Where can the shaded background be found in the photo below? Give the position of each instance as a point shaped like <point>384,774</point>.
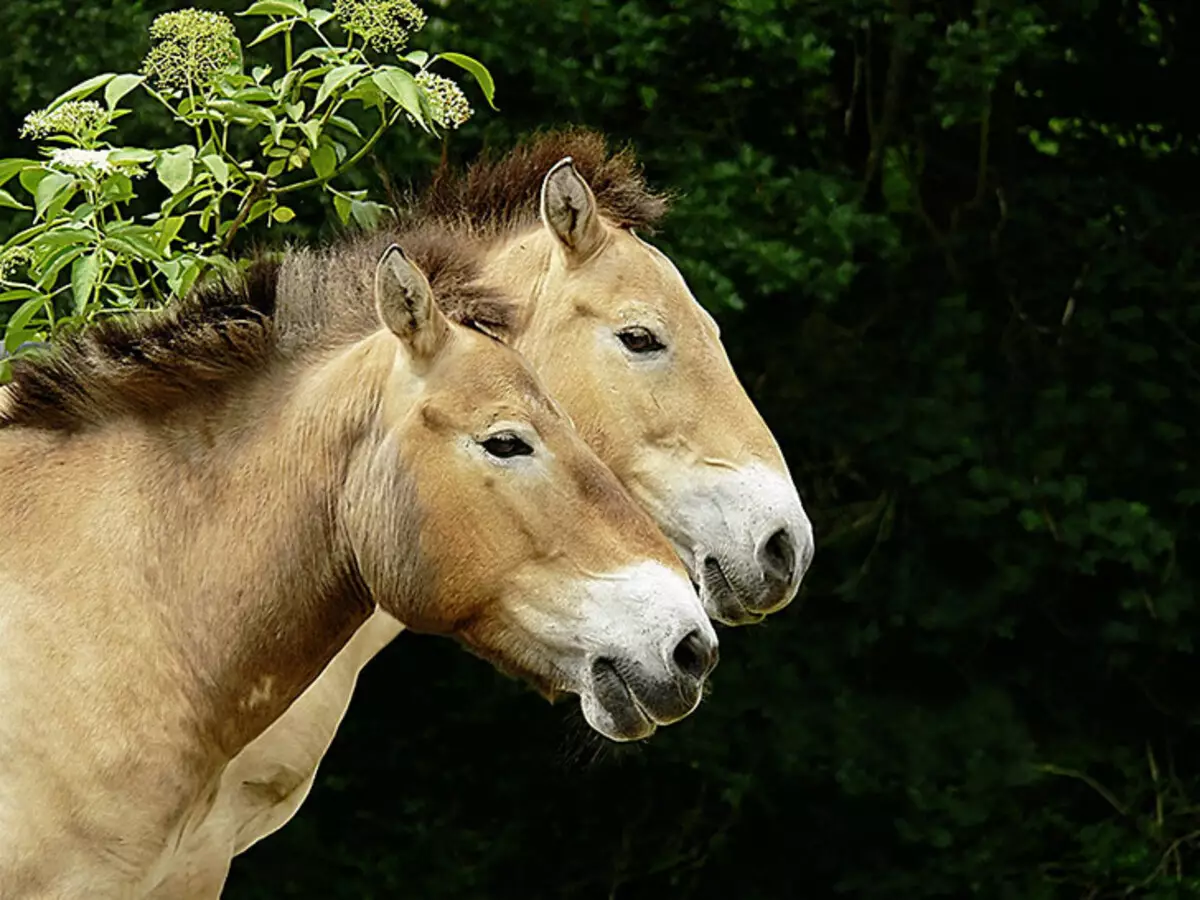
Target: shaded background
<point>952,246</point>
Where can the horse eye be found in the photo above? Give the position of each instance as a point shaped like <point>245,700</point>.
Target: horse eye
<point>504,446</point>
<point>640,340</point>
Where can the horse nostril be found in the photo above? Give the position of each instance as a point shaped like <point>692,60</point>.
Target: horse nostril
<point>778,556</point>
<point>695,655</point>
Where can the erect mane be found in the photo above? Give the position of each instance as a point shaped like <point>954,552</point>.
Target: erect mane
<point>229,329</point>
<point>493,197</point>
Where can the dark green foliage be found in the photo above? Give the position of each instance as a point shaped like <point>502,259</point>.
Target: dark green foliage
<point>953,249</point>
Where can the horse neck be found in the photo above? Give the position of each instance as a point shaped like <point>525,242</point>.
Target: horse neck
<point>272,588</point>
<point>228,582</point>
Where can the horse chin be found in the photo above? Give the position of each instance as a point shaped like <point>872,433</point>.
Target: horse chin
<point>612,709</point>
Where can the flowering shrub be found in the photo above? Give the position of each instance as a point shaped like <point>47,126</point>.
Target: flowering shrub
<point>105,238</point>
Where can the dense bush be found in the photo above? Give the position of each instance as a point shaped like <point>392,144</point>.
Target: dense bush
<point>952,246</point>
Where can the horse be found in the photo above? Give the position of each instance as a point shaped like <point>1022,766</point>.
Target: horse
<point>210,500</point>
<point>632,357</point>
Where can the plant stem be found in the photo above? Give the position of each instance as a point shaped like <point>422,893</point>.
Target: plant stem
<point>349,163</point>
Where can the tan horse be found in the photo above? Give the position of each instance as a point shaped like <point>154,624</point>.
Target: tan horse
<point>205,506</point>
<point>636,362</point>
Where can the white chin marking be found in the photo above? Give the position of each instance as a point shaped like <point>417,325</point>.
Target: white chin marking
<point>731,515</point>
<point>633,619</point>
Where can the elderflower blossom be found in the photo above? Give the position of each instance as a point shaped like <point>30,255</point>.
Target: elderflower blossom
<point>448,103</point>
<point>77,118</point>
<point>384,24</point>
<point>192,47</point>
<point>14,260</point>
<point>95,161</point>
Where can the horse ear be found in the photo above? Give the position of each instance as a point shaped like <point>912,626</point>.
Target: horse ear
<point>569,209</point>
<point>405,305</point>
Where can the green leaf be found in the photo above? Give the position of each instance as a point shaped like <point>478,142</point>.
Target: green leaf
<point>346,125</point>
<point>119,87</point>
<point>333,80</point>
<point>417,57</point>
<point>477,69</point>
<point>276,8</point>
<point>11,167</point>
<point>8,201</point>
<point>82,89</point>
<point>168,229</point>
<point>402,88</point>
<point>18,294</point>
<point>367,213</point>
<point>18,330</point>
<point>49,189</point>
<point>342,205</point>
<point>174,169</point>
<point>283,214</point>
<point>367,93</point>
<point>312,131</point>
<point>324,161</point>
<point>218,167</point>
<point>131,155</point>
<point>117,188</point>
<point>83,279</point>
<point>32,177</point>
<point>319,17</point>
<point>242,112</point>
<point>271,30</point>
<point>276,167</point>
<point>260,208</point>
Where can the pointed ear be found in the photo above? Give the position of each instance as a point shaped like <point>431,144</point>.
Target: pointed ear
<point>405,305</point>
<point>569,209</point>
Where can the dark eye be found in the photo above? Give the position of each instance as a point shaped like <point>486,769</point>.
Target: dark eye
<point>640,340</point>
<point>503,446</point>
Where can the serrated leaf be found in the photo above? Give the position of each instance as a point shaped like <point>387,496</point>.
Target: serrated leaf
<point>333,80</point>
<point>84,272</point>
<point>276,8</point>
<point>402,88</point>
<point>119,87</point>
<point>312,131</point>
<point>478,70</point>
<point>367,92</point>
<point>174,170</point>
<point>271,30</point>
<point>82,89</point>
<point>324,161</point>
<point>346,125</point>
<point>48,190</point>
<point>218,167</point>
<point>8,201</point>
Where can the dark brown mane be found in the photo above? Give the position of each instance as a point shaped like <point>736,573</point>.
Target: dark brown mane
<point>496,196</point>
<point>228,329</point>
<point>219,333</point>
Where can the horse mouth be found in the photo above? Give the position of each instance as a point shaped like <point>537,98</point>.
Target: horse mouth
<point>630,720</point>
<point>720,597</point>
